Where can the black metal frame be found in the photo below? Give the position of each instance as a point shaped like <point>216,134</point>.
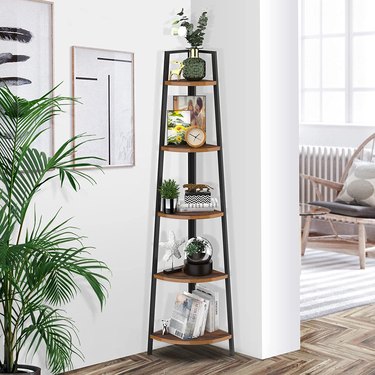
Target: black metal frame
<point>191,179</point>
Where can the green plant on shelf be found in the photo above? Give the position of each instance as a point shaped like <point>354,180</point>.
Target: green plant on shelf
<point>169,189</point>
<point>194,37</point>
<point>196,246</point>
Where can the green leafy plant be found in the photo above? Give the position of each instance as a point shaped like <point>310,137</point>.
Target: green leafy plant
<point>194,37</point>
<point>42,266</point>
<point>196,246</point>
<point>169,189</point>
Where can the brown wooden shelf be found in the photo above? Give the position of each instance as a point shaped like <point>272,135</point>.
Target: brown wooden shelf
<point>182,277</point>
<point>184,148</point>
<point>207,338</point>
<point>192,215</point>
<point>184,82</point>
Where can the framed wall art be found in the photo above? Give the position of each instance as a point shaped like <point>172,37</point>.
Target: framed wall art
<point>26,53</point>
<point>103,82</point>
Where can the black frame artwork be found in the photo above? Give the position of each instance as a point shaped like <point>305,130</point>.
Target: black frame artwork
<point>103,80</point>
<point>26,57</point>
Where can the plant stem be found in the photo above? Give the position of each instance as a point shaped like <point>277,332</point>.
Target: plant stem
<point>8,334</point>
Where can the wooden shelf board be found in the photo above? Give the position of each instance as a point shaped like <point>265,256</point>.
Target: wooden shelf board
<point>184,82</point>
<point>207,338</point>
<point>182,277</point>
<point>184,148</point>
<point>192,215</point>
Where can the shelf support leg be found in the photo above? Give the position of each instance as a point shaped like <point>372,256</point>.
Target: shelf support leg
<point>158,203</point>
<point>223,200</point>
<point>192,179</point>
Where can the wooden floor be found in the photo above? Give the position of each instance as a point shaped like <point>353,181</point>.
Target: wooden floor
<point>342,343</point>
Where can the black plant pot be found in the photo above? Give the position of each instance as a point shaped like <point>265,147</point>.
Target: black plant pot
<point>169,206</point>
<point>196,258</point>
<point>25,369</point>
<point>198,269</point>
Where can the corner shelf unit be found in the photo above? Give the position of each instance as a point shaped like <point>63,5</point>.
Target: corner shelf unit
<point>191,217</point>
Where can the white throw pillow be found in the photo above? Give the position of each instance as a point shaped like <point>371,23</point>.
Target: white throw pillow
<point>359,186</point>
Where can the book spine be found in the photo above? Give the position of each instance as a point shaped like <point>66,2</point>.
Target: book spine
<point>200,313</point>
<point>193,319</point>
<point>205,315</point>
<point>214,307</point>
<point>198,206</point>
<point>210,317</point>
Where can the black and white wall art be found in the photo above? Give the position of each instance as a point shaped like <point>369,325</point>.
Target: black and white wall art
<point>26,52</point>
<point>104,85</point>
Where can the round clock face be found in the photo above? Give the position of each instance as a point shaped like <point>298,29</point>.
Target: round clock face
<point>195,137</point>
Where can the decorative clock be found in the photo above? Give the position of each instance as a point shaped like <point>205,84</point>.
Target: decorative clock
<point>195,137</point>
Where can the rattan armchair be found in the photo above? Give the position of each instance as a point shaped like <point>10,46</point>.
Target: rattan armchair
<point>358,215</point>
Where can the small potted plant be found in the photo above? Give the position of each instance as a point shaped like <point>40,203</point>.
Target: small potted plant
<point>198,254</point>
<point>194,67</point>
<point>169,192</point>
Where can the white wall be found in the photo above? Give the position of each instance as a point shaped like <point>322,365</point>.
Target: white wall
<point>257,45</point>
<point>279,166</point>
<point>116,214</point>
<point>334,135</point>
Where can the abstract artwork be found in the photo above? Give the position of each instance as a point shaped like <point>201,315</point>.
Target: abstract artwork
<point>103,82</point>
<point>26,56</point>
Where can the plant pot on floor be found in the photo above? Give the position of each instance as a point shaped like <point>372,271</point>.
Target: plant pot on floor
<point>25,369</point>
<point>169,205</point>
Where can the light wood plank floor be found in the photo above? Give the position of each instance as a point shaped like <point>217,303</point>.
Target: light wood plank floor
<point>342,343</point>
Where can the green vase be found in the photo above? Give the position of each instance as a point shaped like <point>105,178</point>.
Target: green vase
<point>194,67</point>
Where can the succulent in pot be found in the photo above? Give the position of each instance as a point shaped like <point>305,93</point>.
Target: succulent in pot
<point>169,192</point>
<point>195,250</point>
<point>43,262</point>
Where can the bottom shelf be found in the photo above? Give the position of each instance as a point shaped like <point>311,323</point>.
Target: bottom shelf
<point>207,338</point>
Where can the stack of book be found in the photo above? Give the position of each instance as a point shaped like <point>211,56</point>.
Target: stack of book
<point>196,207</point>
<point>194,313</point>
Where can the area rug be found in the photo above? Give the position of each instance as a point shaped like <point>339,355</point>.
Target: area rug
<point>332,282</point>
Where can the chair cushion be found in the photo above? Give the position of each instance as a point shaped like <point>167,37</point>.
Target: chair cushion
<point>359,186</point>
<point>347,209</point>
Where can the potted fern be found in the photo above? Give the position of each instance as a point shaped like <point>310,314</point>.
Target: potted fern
<point>169,192</point>
<point>42,265</point>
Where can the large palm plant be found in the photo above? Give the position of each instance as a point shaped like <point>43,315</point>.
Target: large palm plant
<point>41,267</point>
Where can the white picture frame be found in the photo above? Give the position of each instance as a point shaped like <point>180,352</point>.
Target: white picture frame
<point>26,54</point>
<point>103,83</point>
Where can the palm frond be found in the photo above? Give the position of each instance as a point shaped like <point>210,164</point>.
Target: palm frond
<point>45,265</point>
<point>56,331</point>
<point>57,257</point>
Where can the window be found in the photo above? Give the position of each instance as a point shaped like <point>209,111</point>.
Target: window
<point>337,61</point>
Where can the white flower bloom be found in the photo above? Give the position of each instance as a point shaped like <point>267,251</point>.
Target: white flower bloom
<point>182,31</point>
<point>174,31</point>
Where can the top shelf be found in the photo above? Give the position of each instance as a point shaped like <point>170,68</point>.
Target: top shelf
<point>184,82</point>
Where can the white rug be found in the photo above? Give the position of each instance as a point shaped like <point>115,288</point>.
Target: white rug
<point>332,282</point>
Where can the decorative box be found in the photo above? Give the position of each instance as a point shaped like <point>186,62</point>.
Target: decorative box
<point>200,197</point>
